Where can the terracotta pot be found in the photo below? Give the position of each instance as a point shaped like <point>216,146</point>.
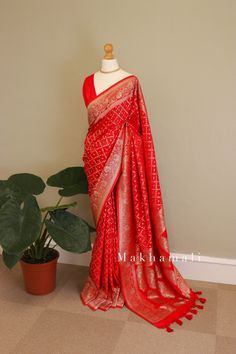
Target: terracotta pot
<point>40,278</point>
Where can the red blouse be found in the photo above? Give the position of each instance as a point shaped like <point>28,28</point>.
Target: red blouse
<point>89,92</point>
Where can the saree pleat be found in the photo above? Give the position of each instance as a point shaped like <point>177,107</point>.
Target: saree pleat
<point>131,263</point>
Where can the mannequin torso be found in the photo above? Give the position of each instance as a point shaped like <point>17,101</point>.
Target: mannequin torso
<point>110,73</point>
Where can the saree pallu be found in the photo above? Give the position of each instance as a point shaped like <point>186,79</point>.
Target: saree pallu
<point>131,263</point>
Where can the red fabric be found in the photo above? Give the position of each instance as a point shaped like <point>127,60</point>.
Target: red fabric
<point>88,90</point>
<point>131,261</point>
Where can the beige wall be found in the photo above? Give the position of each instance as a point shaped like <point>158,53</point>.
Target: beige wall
<point>184,55</point>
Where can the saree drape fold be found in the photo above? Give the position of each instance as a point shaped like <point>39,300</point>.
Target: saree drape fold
<point>131,263</point>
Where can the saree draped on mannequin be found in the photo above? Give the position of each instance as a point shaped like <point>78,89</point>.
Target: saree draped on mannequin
<point>131,263</point>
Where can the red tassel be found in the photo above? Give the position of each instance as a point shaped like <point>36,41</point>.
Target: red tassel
<point>164,234</point>
<point>193,311</point>
<point>188,316</point>
<point>169,329</point>
<point>202,299</point>
<point>179,322</point>
<point>198,292</point>
<point>199,306</point>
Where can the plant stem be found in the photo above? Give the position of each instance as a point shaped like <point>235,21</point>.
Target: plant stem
<point>45,216</point>
<point>59,200</point>
<point>32,251</point>
<point>50,239</point>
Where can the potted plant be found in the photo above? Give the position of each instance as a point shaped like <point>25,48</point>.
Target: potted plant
<point>26,230</point>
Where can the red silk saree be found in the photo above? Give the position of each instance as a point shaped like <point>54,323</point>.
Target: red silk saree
<point>131,263</point>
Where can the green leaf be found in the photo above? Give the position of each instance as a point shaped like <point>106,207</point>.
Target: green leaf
<point>72,180</point>
<point>91,228</point>
<point>69,231</point>
<point>62,206</point>
<point>19,227</point>
<point>5,192</point>
<point>28,183</point>
<point>81,188</point>
<point>18,186</point>
<point>10,260</point>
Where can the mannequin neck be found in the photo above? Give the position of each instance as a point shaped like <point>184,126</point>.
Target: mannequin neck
<point>109,64</point>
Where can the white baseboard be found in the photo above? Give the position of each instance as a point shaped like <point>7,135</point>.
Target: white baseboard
<point>212,269</point>
<point>195,267</point>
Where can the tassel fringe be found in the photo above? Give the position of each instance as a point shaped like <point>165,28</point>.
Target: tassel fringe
<point>199,306</point>
<point>189,315</point>
<point>169,329</point>
<point>193,311</point>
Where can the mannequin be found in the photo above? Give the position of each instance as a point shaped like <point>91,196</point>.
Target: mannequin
<point>110,71</point>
